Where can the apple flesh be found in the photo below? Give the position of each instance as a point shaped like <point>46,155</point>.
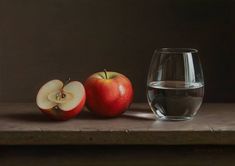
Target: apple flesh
<point>108,94</point>
<point>59,101</point>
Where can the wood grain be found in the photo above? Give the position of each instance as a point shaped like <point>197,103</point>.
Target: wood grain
<point>23,124</point>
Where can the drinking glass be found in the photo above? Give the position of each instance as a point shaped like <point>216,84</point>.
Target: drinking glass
<point>175,84</point>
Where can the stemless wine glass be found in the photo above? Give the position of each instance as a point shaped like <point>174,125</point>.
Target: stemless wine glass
<point>175,84</point>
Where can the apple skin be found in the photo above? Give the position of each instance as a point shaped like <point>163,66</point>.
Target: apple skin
<point>60,115</point>
<point>108,97</point>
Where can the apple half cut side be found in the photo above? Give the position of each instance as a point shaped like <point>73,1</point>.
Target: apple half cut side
<point>59,101</point>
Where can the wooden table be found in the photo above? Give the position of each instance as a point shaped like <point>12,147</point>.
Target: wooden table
<point>209,135</point>
<point>22,124</point>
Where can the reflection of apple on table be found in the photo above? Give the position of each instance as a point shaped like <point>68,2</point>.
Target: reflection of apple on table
<point>107,94</point>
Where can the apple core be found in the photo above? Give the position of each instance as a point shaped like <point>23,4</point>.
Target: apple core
<point>60,96</point>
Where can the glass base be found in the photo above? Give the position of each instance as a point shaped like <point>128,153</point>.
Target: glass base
<point>174,118</point>
<point>159,116</point>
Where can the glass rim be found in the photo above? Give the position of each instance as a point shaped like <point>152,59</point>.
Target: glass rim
<point>176,50</point>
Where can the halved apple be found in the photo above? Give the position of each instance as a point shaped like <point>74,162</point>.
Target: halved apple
<point>59,101</point>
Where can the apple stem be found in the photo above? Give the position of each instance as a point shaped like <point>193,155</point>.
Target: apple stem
<point>67,81</point>
<point>105,73</point>
<point>61,94</point>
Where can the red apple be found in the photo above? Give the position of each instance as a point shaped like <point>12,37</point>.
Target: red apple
<point>59,101</point>
<point>109,94</point>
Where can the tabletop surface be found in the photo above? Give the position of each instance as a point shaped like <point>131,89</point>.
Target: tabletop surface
<point>23,123</point>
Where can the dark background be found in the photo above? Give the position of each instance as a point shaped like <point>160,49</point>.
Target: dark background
<point>45,39</point>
